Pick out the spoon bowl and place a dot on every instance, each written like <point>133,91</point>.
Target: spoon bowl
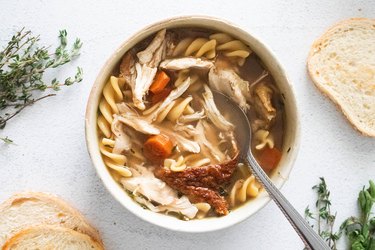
<point>242,127</point>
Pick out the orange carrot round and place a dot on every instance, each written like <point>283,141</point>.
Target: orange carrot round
<point>161,80</point>
<point>269,158</point>
<point>158,147</point>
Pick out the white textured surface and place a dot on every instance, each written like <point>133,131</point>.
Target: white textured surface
<point>51,155</point>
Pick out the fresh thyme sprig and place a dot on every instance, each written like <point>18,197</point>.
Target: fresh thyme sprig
<point>22,66</point>
<point>360,231</point>
<point>324,218</point>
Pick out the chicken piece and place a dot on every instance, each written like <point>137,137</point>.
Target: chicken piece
<point>139,75</point>
<point>188,130</point>
<point>139,124</point>
<point>191,118</point>
<point>122,140</point>
<point>154,190</point>
<point>127,69</point>
<point>171,41</point>
<point>154,51</point>
<point>186,63</point>
<point>201,184</point>
<point>228,82</point>
<point>263,103</point>
<point>145,76</point>
<point>213,113</point>
<point>179,140</point>
<point>206,137</point>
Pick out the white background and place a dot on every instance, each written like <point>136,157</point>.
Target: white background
<point>51,155</point>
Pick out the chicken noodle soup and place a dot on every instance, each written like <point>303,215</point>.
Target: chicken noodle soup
<point>164,138</point>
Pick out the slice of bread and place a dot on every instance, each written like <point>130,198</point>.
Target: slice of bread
<point>341,63</point>
<point>32,208</point>
<point>50,237</point>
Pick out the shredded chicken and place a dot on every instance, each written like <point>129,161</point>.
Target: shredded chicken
<point>127,69</point>
<point>138,123</point>
<point>188,130</point>
<point>213,113</point>
<point>182,142</point>
<point>139,75</point>
<point>263,104</point>
<point>211,147</point>
<point>176,93</point>
<point>186,63</point>
<point>152,54</point>
<point>147,190</point>
<point>229,83</point>
<point>145,75</point>
<point>191,118</point>
<point>122,140</point>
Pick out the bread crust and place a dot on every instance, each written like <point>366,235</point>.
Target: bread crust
<point>45,229</point>
<point>65,208</point>
<point>320,86</point>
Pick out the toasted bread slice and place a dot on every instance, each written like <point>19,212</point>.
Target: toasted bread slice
<point>32,208</point>
<point>50,237</point>
<point>341,63</point>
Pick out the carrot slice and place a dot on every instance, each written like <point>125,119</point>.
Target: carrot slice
<point>161,95</point>
<point>161,80</point>
<point>158,147</point>
<point>269,158</point>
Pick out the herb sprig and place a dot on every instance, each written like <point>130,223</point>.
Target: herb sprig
<point>23,63</point>
<point>324,218</point>
<point>360,231</point>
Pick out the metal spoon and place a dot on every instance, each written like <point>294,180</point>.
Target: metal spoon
<point>309,237</point>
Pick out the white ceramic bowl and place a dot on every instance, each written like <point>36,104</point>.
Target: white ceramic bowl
<point>291,138</point>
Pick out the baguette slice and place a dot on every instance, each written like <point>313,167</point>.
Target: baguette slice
<point>341,63</point>
<point>50,237</point>
<point>32,208</point>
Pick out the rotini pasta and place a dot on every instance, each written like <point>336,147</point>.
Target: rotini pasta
<point>107,107</point>
<point>242,189</point>
<point>195,160</point>
<point>218,42</point>
<point>192,160</point>
<point>198,47</point>
<point>231,48</point>
<point>263,138</point>
<point>175,166</point>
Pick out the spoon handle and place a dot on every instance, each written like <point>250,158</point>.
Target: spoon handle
<point>309,237</point>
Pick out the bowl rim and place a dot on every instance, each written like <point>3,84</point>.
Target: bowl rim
<point>158,219</point>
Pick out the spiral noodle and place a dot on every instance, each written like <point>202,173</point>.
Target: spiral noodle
<point>208,48</point>
<point>263,139</point>
<point>175,166</point>
<point>192,160</point>
<point>243,189</point>
<point>111,95</point>
<point>198,47</point>
<point>231,48</point>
